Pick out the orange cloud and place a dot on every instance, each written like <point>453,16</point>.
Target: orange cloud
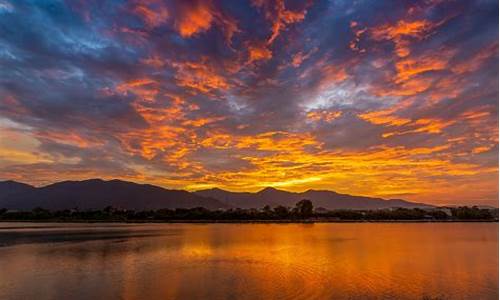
<point>284,159</point>
<point>145,88</point>
<point>425,125</point>
<point>268,141</point>
<point>477,114</point>
<point>135,83</point>
<point>68,138</point>
<point>198,16</point>
<point>297,59</point>
<point>300,57</point>
<point>19,150</point>
<point>331,74</point>
<point>166,137</point>
<point>402,28</point>
<point>445,88</point>
<point>411,67</point>
<point>171,135</point>
<point>195,19</point>
<point>201,121</point>
<point>401,33</point>
<point>153,141</point>
<point>384,117</point>
<point>256,53</point>
<point>478,118</point>
<point>153,13</point>
<point>279,16</point>
<point>410,87</point>
<point>411,77</point>
<point>432,125</point>
<point>155,115</point>
<point>323,115</point>
<point>481,149</point>
<point>199,76</point>
<point>277,141</point>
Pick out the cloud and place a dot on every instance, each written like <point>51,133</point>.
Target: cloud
<point>279,16</point>
<point>317,94</point>
<point>402,33</point>
<point>299,57</point>
<point>195,18</point>
<point>153,13</point>
<point>199,76</point>
<point>323,115</point>
<point>256,53</point>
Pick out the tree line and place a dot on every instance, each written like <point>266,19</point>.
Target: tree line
<point>303,210</point>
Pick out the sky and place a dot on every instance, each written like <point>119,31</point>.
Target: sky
<point>392,99</point>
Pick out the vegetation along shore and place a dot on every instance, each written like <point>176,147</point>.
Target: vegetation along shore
<point>302,212</point>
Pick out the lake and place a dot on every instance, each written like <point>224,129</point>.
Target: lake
<point>249,261</point>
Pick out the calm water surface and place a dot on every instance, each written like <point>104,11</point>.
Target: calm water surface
<point>249,261</point>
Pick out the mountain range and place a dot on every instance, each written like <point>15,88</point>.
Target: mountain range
<point>325,199</point>
<point>97,194</point>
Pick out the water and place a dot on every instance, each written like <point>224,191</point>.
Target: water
<point>249,261</point>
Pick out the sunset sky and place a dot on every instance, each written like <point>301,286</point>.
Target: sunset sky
<point>392,99</point>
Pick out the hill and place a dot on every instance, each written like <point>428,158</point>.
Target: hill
<point>326,199</point>
<point>97,194</point>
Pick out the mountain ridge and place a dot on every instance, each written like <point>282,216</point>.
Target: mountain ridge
<point>97,193</point>
<point>320,198</point>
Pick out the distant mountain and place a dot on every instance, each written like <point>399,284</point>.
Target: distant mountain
<point>97,194</point>
<point>10,187</point>
<point>326,199</point>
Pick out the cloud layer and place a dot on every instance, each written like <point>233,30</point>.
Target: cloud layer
<point>378,98</point>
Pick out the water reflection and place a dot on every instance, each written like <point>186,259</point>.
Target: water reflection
<point>250,261</point>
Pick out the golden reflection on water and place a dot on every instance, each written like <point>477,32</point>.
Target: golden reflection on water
<point>262,261</point>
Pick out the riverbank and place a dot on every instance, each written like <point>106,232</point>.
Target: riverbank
<point>286,221</point>
<point>302,213</point>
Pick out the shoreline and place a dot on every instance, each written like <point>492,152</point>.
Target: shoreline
<point>283,221</point>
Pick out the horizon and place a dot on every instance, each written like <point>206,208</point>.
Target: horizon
<point>378,99</point>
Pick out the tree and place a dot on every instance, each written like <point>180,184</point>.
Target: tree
<point>40,213</point>
<point>267,212</point>
<point>304,208</point>
<point>108,209</point>
<point>281,212</point>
